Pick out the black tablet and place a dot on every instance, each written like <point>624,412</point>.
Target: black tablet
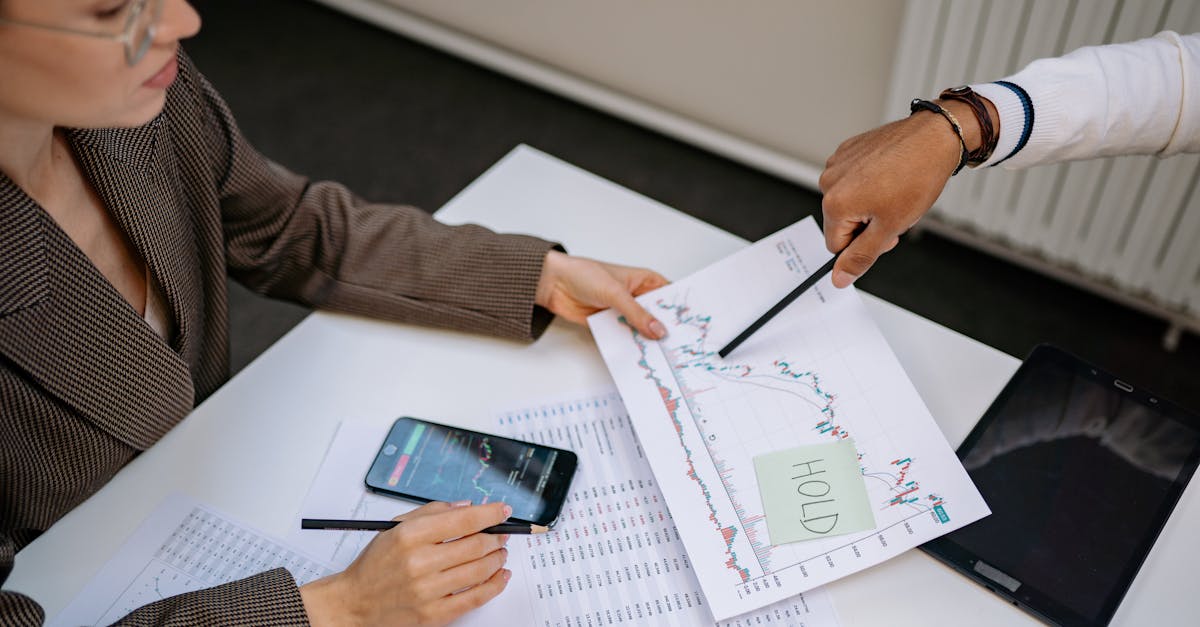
<point>1081,471</point>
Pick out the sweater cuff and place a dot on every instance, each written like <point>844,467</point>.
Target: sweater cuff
<point>1041,124</point>
<point>1012,120</point>
<point>1049,113</point>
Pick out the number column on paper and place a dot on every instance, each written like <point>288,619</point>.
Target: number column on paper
<point>623,551</point>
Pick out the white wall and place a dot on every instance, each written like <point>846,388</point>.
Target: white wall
<point>795,77</point>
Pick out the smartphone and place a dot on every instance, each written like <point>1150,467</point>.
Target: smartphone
<point>425,461</point>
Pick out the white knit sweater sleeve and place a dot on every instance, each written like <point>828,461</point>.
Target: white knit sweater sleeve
<point>1141,97</point>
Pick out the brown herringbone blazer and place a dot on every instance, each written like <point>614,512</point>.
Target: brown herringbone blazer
<point>85,383</point>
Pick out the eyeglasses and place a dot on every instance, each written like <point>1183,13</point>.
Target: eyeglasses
<point>141,24</point>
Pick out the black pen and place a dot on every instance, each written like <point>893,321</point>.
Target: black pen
<point>780,306</point>
<point>383,525</point>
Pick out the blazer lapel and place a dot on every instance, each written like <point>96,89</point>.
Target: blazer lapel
<point>137,178</point>
<point>69,329</point>
<point>24,270</point>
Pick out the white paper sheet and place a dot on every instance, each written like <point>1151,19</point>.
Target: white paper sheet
<point>819,371</point>
<point>182,546</point>
<point>614,558</point>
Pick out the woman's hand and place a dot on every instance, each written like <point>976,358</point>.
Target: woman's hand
<point>575,288</point>
<point>428,571</point>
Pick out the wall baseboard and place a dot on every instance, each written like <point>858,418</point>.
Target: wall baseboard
<point>581,90</point>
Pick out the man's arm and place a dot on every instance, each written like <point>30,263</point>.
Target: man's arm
<point>1137,98</point>
<point>1141,97</point>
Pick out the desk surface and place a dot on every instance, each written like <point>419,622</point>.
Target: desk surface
<point>254,446</point>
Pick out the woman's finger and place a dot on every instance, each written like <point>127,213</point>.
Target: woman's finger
<point>456,605</point>
<point>636,315</point>
<point>458,522</point>
<point>472,573</point>
<point>470,548</point>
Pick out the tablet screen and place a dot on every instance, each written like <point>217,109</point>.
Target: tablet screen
<point>1080,471</point>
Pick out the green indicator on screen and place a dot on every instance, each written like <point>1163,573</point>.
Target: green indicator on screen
<point>414,438</point>
<point>406,454</point>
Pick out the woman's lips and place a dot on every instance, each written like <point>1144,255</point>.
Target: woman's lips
<point>164,77</point>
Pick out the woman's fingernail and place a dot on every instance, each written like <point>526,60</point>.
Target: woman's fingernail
<point>507,574</point>
<point>507,511</point>
<point>658,329</point>
<point>843,278</point>
<point>503,539</point>
<point>460,504</point>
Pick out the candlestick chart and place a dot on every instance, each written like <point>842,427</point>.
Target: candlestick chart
<point>820,372</point>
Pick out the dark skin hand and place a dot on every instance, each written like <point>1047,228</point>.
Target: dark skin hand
<point>878,184</point>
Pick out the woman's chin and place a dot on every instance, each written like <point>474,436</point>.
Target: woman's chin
<point>142,113</point>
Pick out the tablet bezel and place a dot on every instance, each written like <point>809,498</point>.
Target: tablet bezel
<point>1031,599</point>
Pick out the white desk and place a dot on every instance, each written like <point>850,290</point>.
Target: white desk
<point>253,447</point>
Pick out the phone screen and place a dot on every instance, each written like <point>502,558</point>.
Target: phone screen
<point>426,461</point>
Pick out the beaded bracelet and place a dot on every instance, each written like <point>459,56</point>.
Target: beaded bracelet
<point>924,105</point>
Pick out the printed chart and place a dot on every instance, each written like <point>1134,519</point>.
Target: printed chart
<point>614,557</point>
<point>183,546</point>
<point>819,372</point>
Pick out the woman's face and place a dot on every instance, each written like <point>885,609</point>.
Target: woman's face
<point>78,81</point>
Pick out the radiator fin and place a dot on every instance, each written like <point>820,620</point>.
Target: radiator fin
<point>1130,222</point>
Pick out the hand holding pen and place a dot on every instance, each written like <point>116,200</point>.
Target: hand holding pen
<point>431,569</point>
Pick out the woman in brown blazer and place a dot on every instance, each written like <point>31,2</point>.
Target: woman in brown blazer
<point>127,195</point>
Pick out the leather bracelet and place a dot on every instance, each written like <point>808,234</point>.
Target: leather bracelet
<point>987,132</point>
<point>924,105</point>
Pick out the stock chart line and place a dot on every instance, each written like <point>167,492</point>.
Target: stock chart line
<point>822,374</point>
<point>694,356</point>
<point>701,357</point>
<point>848,543</point>
<point>900,487</point>
<point>485,459</point>
<point>698,353</point>
<point>728,533</point>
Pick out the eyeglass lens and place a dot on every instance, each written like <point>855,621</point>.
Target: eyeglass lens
<point>142,26</point>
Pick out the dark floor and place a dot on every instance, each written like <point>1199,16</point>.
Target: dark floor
<point>336,98</point>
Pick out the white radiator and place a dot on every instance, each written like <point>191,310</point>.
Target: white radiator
<point>1127,227</point>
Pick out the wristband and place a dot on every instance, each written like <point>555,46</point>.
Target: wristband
<point>924,105</point>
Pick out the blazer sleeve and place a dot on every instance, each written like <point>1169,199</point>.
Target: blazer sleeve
<point>319,244</point>
<point>269,598</point>
<point>16,609</point>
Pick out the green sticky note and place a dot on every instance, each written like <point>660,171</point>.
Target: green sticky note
<point>813,491</point>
